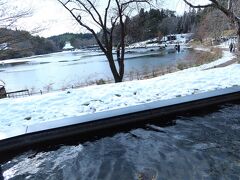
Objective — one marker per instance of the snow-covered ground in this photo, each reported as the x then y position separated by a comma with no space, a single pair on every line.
12,61
180,38
17,113
206,49
145,44
227,43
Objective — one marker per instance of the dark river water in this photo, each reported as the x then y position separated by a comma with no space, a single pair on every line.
193,147
67,69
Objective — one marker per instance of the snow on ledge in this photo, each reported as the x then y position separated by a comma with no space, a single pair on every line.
18,113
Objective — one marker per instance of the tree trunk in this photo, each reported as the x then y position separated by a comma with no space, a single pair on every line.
121,69
117,77
238,35
120,60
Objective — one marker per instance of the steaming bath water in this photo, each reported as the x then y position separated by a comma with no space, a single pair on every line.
205,146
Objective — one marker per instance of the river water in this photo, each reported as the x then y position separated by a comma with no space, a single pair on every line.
192,147
67,69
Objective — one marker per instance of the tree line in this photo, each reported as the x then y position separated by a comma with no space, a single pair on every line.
123,29
157,23
145,25
17,44
222,15
118,27
80,40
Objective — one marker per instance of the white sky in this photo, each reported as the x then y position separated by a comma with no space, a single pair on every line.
50,14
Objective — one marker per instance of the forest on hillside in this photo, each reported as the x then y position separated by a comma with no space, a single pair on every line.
143,26
203,23
17,44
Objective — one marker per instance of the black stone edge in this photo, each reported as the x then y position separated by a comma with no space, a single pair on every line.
10,147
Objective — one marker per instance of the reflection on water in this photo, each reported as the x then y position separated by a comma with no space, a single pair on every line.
205,147
69,68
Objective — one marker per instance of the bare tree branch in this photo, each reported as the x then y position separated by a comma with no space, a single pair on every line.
198,6
96,11
78,19
106,12
107,24
230,3
228,11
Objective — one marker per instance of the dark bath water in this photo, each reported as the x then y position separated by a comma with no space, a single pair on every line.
206,147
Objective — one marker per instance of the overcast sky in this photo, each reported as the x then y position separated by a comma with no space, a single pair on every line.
49,14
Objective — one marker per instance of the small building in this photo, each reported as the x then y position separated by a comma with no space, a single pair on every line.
68,46
176,38
171,37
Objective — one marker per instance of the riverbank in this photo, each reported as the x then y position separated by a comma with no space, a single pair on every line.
153,65
76,102
67,70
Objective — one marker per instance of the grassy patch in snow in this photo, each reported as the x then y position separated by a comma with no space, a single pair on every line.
205,57
192,60
200,58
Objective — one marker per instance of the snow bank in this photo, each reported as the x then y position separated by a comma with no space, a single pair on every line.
180,38
203,49
145,44
227,43
17,113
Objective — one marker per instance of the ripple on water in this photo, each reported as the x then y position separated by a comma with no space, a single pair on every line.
195,148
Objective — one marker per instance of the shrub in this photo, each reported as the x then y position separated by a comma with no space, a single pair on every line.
100,82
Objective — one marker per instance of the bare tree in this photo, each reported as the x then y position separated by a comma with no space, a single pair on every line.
229,9
212,25
9,15
168,25
115,13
